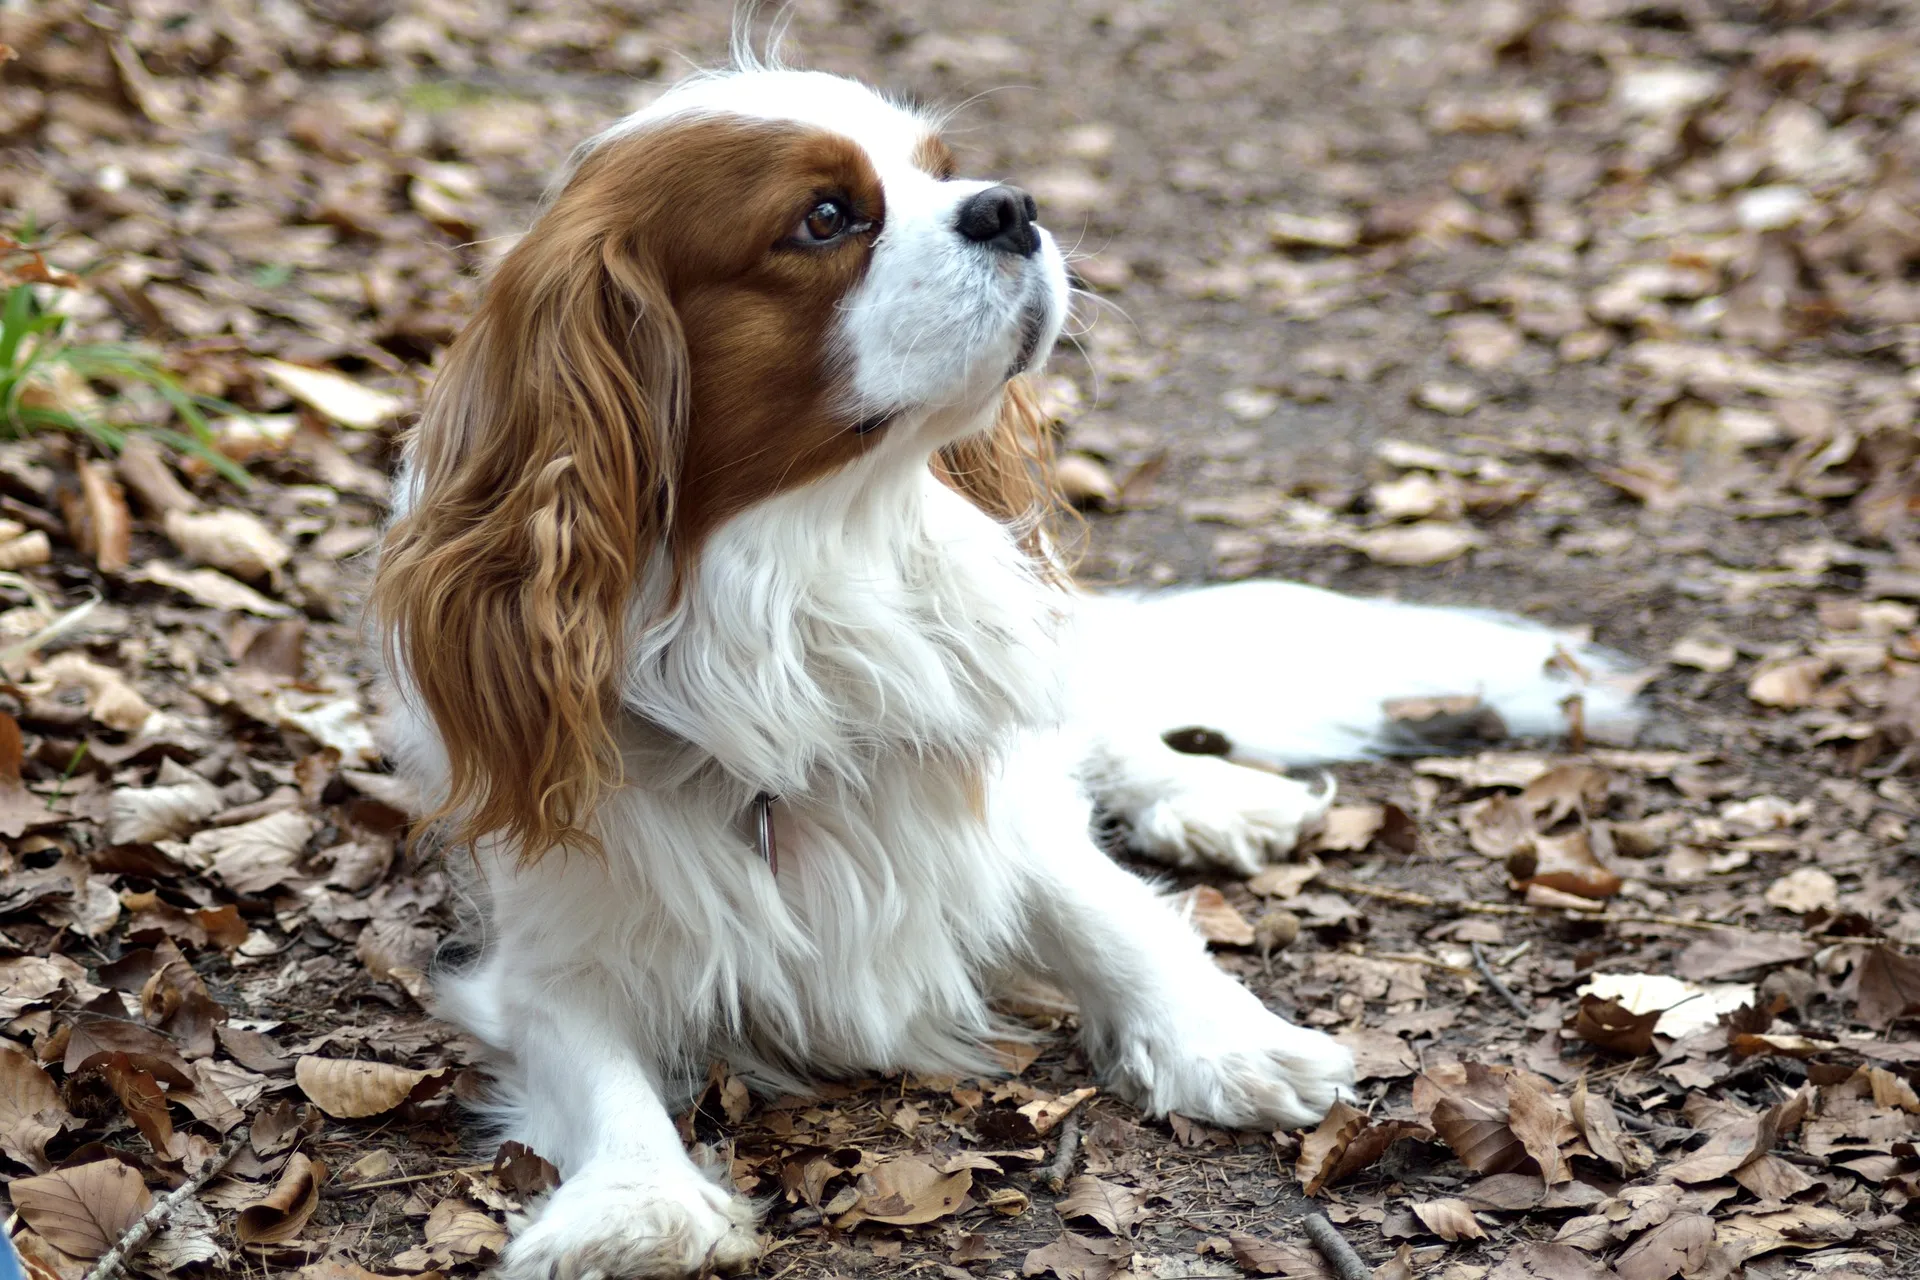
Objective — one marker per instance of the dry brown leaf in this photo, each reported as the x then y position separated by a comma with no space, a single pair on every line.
349,1090
163,812
1345,1143
1078,1257
907,1191
1470,1115
459,1231
1214,917
31,1112
97,517
1429,542
1740,1140
1566,863
235,541
82,1210
211,588
284,1210
1284,880
1497,826
1797,683
334,395
1045,1113
1278,1258
1541,1127
1887,986
1603,1022
1803,890
145,1101
1085,483
1118,1209
1449,1219
1599,1124
110,699
1678,1245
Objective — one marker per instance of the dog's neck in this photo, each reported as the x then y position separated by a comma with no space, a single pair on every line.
872,613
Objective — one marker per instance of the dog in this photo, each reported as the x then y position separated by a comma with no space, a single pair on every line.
724,629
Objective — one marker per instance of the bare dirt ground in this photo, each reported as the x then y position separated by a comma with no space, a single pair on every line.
1606,312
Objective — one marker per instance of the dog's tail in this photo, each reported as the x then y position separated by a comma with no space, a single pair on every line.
1293,675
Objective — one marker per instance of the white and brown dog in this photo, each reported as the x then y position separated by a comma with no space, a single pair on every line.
721,535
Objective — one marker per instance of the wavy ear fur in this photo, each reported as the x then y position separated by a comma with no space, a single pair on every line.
1008,473
543,474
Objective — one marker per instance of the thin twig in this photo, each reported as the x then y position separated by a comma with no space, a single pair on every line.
355,1188
1467,906
1493,980
136,1236
1333,1246
1062,1167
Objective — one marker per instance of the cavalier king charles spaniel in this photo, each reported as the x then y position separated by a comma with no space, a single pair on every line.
724,632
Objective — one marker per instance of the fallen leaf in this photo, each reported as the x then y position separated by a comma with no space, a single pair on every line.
349,1090
1886,987
1449,1219
459,1231
1428,542
211,588
1114,1207
1685,1007
1806,889
31,1112
229,539
284,1210
1284,880
334,395
907,1191
1045,1113
1346,1142
1208,910
1078,1257
1470,1115
82,1210
1541,1127
164,812
1278,1258
97,517
1612,1027
1567,864
1679,1244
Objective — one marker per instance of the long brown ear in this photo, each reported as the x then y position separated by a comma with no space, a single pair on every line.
542,478
1008,473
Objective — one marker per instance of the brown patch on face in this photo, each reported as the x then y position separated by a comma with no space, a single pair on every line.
650,359
931,155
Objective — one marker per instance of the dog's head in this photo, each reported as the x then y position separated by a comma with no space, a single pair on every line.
764,277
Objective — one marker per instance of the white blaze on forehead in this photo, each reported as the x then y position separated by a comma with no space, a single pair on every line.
888,131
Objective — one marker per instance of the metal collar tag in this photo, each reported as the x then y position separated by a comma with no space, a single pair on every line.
763,829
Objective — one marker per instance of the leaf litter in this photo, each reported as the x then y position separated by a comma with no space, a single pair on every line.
1629,293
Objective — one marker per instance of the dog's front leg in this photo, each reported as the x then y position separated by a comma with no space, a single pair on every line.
1164,1025
631,1202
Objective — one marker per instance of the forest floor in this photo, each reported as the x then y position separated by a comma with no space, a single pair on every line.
1606,312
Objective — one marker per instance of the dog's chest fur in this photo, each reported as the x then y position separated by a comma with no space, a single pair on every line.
873,652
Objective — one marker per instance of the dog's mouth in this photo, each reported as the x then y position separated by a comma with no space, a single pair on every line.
1033,324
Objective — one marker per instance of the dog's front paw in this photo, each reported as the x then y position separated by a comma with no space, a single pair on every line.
1226,815
1239,1068
625,1221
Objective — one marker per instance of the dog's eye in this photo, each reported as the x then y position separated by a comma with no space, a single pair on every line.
827,220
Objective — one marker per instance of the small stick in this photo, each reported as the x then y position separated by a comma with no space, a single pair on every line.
1493,980
1469,907
355,1188
1061,1169
1333,1246
137,1235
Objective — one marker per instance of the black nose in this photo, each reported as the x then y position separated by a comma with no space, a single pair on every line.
1001,218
